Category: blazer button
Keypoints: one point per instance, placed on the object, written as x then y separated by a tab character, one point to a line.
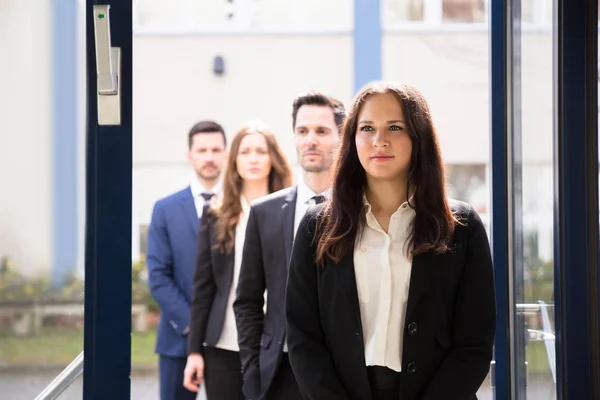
411	368
412	329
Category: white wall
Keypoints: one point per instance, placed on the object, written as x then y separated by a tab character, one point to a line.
452	70
174	87
25	137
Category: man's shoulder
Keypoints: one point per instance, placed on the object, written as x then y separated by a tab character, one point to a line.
174	197
274	199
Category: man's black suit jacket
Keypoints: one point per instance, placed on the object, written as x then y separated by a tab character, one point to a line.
450	319
267	250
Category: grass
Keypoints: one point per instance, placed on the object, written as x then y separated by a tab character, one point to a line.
60	347
537	359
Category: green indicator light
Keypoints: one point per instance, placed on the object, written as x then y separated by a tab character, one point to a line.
100	16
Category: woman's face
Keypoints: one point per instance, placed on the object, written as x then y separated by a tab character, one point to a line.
253	160
382	141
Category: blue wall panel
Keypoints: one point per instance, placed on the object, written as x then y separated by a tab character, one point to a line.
65	112
367	42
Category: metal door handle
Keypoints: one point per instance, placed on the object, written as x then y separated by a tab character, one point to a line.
108	69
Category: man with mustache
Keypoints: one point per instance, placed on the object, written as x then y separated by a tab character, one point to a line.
271	227
171	255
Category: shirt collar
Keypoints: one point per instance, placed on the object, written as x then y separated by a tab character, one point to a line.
197	188
304	193
404	206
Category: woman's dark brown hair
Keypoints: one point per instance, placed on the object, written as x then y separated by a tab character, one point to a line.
342	217
228	208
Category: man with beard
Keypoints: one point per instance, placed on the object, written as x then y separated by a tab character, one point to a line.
171	254
271	227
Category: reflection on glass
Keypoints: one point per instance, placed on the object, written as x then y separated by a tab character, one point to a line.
463	10
42	201
532	255
537	12
528	10
468	183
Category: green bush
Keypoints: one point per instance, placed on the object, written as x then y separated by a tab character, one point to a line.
140	290
16	287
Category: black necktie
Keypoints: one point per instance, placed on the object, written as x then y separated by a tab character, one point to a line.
207	196
319	198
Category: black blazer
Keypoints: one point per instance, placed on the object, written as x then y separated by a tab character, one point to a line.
449	329
267	250
212	282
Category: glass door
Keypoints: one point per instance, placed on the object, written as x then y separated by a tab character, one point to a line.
545	198
531	194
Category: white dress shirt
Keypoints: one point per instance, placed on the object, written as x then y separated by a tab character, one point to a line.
197	190
304	199
382	268
229	337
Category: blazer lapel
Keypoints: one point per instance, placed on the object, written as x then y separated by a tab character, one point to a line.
189	210
420	278
287	222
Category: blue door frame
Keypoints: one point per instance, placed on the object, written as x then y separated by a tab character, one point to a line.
107	325
107	338
576	199
499	161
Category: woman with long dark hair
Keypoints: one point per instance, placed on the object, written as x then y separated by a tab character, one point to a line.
390	290
256	167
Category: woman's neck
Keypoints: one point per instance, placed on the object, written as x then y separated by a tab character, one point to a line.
385	197
252	190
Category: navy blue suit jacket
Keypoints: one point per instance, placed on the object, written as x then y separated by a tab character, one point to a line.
171	258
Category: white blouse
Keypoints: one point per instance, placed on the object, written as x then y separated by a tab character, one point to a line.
229	336
382	270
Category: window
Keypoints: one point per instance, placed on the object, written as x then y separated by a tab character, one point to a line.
468	182
463	10
404	10
459	14
411	14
